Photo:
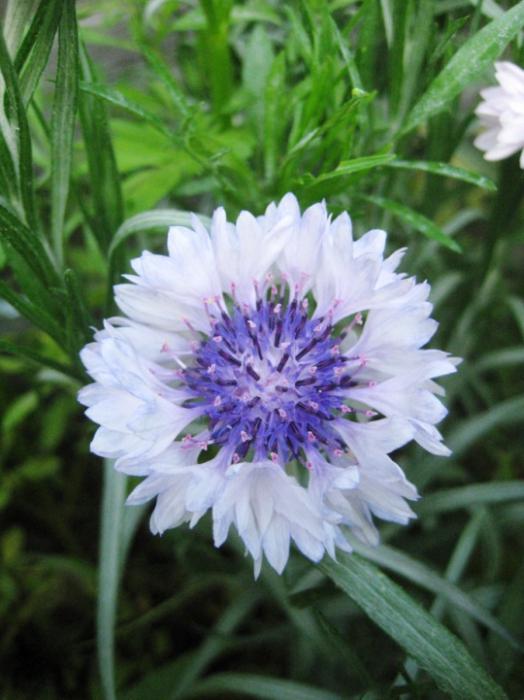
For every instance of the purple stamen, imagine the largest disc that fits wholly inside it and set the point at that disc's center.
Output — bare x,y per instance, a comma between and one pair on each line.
267,406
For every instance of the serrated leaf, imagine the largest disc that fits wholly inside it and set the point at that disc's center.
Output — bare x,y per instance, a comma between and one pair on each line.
467,65
434,648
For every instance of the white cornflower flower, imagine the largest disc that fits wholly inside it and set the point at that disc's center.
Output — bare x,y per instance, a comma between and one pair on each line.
502,114
265,371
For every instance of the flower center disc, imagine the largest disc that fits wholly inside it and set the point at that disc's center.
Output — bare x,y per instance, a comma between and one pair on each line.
271,380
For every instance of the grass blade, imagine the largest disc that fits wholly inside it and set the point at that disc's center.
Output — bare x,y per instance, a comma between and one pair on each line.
63,122
467,65
434,648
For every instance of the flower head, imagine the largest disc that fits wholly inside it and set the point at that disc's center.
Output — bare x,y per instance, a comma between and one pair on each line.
265,370
502,114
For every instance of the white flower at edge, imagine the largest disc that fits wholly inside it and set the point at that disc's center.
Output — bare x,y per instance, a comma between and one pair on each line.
265,371
502,114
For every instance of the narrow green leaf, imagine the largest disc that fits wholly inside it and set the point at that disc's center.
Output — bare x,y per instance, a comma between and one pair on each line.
423,576
17,15
28,245
500,358
416,220
508,412
180,675
119,100
33,54
82,318
273,108
163,71
33,356
257,686
20,137
446,171
516,304
8,176
38,316
104,177
434,648
63,122
114,492
467,65
152,220
473,495
348,167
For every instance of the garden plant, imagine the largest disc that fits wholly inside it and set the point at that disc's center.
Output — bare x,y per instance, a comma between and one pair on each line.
265,247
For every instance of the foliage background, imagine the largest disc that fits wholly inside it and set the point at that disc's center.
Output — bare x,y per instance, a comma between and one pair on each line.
166,107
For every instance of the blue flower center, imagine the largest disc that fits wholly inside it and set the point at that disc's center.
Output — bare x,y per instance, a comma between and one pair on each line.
271,381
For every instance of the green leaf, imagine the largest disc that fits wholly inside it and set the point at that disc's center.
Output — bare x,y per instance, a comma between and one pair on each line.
33,356
416,220
104,177
446,171
28,245
508,412
19,137
467,65
516,304
348,167
33,313
63,122
163,71
114,493
434,648
119,100
468,496
152,220
258,686
273,113
423,576
82,319
17,15
174,680
33,54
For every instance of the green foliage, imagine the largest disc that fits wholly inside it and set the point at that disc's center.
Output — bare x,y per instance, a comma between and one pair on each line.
118,119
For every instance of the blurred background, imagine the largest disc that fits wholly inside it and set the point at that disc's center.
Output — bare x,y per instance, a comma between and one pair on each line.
191,105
